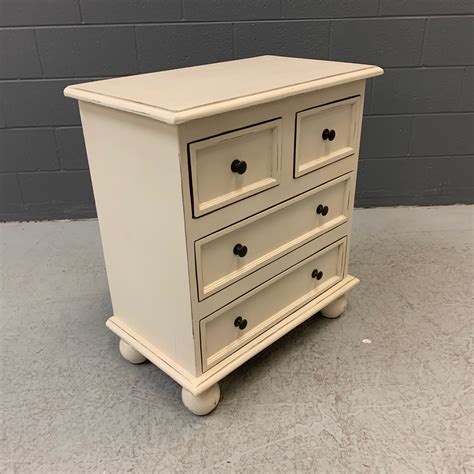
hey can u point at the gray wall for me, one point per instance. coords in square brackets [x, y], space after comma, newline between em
[417, 145]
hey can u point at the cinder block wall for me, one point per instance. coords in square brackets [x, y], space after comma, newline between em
[418, 129]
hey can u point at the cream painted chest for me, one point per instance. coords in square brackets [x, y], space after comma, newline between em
[224, 195]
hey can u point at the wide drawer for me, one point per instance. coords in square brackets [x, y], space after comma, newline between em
[234, 165]
[228, 255]
[225, 331]
[325, 134]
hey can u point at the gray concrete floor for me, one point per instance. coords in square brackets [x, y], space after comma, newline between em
[319, 400]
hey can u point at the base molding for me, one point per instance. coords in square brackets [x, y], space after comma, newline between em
[197, 385]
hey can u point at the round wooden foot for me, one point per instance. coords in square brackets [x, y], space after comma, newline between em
[204, 403]
[130, 354]
[336, 308]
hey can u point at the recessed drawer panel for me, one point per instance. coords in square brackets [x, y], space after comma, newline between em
[229, 167]
[225, 331]
[227, 256]
[325, 134]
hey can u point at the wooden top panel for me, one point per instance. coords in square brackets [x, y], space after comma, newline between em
[180, 95]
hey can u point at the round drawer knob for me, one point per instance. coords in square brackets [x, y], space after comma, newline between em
[240, 323]
[240, 250]
[328, 134]
[317, 274]
[238, 166]
[323, 210]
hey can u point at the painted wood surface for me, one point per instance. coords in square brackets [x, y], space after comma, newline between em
[313, 150]
[181, 95]
[180, 277]
[134, 165]
[234, 165]
[244, 319]
[269, 235]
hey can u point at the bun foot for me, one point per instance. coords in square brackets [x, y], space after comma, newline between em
[203, 403]
[130, 354]
[335, 309]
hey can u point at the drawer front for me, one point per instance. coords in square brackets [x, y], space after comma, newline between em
[325, 134]
[269, 235]
[225, 331]
[232, 166]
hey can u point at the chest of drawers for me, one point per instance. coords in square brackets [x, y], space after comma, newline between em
[224, 195]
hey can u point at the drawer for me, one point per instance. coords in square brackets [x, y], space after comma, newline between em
[234, 165]
[225, 331]
[325, 134]
[228, 255]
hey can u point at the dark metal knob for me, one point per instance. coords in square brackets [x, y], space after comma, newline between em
[323, 210]
[328, 134]
[240, 250]
[238, 166]
[240, 323]
[317, 274]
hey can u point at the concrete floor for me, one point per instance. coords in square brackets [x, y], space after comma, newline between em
[319, 400]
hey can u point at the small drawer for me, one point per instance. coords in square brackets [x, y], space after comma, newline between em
[230, 328]
[325, 134]
[228, 255]
[234, 165]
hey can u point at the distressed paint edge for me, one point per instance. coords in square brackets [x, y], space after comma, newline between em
[179, 117]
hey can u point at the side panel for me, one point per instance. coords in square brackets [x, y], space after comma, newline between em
[134, 163]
